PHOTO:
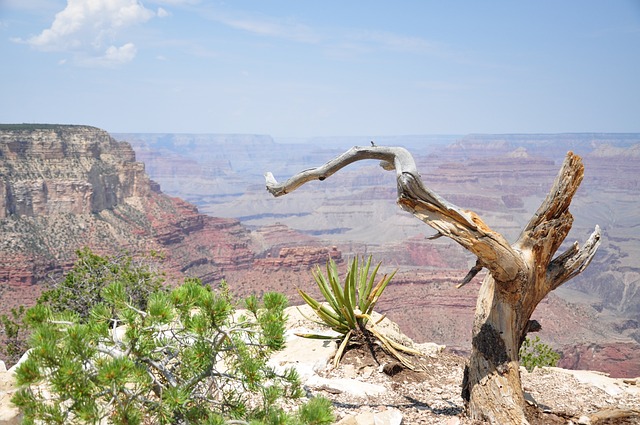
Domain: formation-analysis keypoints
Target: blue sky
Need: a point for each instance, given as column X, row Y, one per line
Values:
column 323, row 68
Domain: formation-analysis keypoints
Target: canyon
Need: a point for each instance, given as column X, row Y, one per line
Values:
column 503, row 178
column 199, row 201
column 66, row 187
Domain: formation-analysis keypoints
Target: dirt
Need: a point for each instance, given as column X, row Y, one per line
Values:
column 430, row 394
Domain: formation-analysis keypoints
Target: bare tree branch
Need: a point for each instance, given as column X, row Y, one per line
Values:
column 573, row 261
column 464, row 227
column 552, row 222
column 472, row 273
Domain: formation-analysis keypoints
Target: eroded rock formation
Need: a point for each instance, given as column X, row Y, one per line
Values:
column 65, row 187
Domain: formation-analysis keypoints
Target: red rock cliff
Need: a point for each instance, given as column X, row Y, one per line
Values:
column 65, row 187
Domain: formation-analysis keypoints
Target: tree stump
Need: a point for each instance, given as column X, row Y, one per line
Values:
column 520, row 275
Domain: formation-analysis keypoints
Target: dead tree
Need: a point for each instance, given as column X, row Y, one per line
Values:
column 519, row 275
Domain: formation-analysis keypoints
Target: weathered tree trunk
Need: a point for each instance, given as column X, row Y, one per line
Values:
column 520, row 275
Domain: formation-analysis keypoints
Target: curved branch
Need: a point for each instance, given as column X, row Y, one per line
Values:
column 573, row 261
column 464, row 227
column 392, row 158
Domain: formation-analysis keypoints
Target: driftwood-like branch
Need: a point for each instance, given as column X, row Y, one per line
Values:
column 392, row 158
column 551, row 224
column 561, row 193
column 465, row 227
column 573, row 261
column 472, row 273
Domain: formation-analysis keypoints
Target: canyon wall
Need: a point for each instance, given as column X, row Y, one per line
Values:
column 66, row 187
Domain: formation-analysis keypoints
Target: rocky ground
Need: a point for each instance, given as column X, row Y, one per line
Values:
column 370, row 387
column 377, row 390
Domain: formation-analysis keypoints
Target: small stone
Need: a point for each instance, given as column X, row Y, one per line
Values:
column 584, row 420
column 349, row 371
column 367, row 372
column 530, row 400
column 388, row 417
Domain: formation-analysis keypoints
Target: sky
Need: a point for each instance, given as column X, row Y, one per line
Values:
column 322, row 68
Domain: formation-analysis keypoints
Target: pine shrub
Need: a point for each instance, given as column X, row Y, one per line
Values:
column 184, row 357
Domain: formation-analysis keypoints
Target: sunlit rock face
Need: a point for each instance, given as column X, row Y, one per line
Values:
column 66, row 169
column 66, row 187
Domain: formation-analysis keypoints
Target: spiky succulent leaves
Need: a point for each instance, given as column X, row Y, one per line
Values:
column 329, row 316
column 315, row 336
column 341, row 348
column 377, row 291
column 347, row 307
column 349, row 294
column 365, row 284
column 325, row 287
column 342, row 296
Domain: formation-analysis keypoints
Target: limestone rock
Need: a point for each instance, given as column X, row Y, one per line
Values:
column 386, row 417
column 9, row 414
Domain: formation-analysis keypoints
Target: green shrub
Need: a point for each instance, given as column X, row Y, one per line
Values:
column 187, row 358
column 534, row 353
column 14, row 344
column 347, row 309
column 81, row 287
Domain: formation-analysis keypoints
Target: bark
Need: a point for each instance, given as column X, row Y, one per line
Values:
column 520, row 275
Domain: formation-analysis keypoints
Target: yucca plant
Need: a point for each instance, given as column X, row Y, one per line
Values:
column 348, row 307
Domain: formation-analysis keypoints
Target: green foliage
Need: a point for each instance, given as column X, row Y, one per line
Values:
column 14, row 344
column 534, row 353
column 347, row 308
column 316, row 412
column 80, row 290
column 186, row 358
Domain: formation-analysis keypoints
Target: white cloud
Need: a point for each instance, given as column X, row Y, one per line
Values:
column 112, row 57
column 87, row 27
column 121, row 54
column 162, row 13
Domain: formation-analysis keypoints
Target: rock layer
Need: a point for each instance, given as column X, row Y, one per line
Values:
column 65, row 187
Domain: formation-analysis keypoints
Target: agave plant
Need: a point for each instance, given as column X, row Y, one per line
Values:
column 347, row 308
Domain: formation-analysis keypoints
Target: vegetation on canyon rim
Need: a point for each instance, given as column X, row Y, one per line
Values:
column 132, row 352
column 187, row 356
column 349, row 307
column 535, row 353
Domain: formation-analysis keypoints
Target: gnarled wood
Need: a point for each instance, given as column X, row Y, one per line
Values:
column 520, row 275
